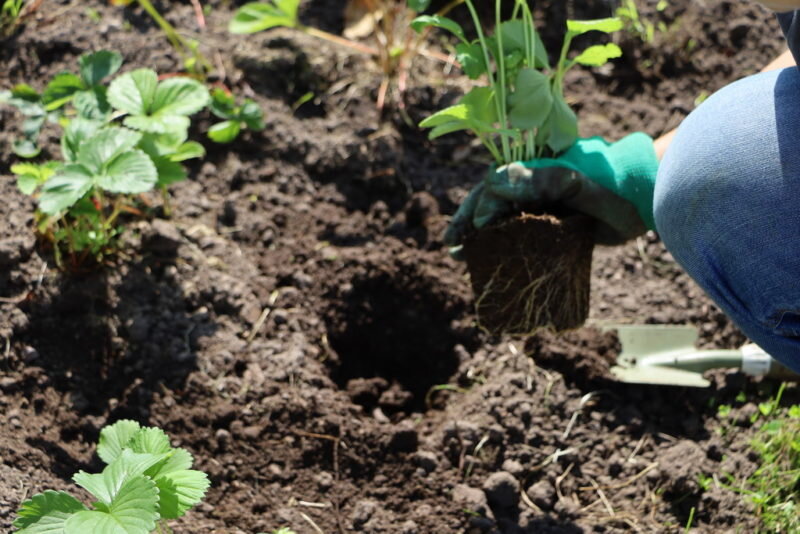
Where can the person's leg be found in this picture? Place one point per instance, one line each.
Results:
(727, 206)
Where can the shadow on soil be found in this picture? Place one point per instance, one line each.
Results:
(113, 338)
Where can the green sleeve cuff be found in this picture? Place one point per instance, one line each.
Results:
(627, 167)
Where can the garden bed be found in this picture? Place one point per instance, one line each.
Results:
(297, 325)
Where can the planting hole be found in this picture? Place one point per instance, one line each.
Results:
(393, 340)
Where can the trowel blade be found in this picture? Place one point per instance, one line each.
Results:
(662, 376)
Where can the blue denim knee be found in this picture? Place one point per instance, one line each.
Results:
(727, 206)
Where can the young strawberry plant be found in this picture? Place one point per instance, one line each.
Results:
(145, 483)
(527, 271)
(234, 116)
(118, 141)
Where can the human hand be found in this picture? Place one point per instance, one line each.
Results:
(611, 182)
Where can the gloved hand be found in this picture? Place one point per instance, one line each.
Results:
(611, 182)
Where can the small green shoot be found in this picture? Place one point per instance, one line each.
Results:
(774, 488)
(223, 105)
(689, 521)
(146, 481)
(189, 50)
(10, 16)
(523, 105)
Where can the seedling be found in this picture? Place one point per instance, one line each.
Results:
(145, 483)
(521, 114)
(188, 49)
(118, 141)
(12, 12)
(223, 105)
(638, 26)
(395, 45)
(223, 102)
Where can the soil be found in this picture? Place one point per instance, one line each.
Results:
(298, 327)
(531, 272)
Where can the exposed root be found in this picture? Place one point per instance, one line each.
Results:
(539, 281)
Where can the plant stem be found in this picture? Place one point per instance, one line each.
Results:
(485, 47)
(364, 49)
(178, 43)
(500, 96)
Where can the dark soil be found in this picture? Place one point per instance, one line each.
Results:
(531, 272)
(368, 400)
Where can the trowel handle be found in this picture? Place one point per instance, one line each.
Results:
(756, 362)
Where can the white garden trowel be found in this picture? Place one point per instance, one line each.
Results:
(666, 355)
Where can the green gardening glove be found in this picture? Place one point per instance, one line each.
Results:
(611, 182)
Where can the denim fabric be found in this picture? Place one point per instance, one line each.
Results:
(727, 206)
(790, 24)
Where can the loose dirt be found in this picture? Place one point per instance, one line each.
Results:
(299, 328)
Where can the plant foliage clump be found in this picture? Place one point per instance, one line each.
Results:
(775, 487)
(146, 481)
(118, 140)
(522, 113)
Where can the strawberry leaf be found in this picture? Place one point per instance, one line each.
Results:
(114, 438)
(47, 513)
(258, 16)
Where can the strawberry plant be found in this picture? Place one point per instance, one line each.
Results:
(235, 116)
(527, 231)
(521, 113)
(145, 483)
(118, 141)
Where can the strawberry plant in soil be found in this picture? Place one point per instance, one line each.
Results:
(288, 322)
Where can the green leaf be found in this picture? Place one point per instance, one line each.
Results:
(224, 132)
(437, 21)
(475, 111)
(25, 148)
(30, 175)
(178, 460)
(258, 16)
(96, 66)
(252, 115)
(61, 90)
(25, 98)
(453, 113)
(65, 188)
(77, 131)
(419, 5)
(133, 92)
(129, 173)
(513, 33)
(114, 438)
(532, 100)
(169, 172)
(222, 104)
(607, 25)
(92, 103)
(598, 55)
(188, 150)
(179, 96)
(150, 440)
(100, 149)
(179, 491)
(562, 126)
(105, 486)
(160, 124)
(46, 513)
(470, 56)
(133, 510)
